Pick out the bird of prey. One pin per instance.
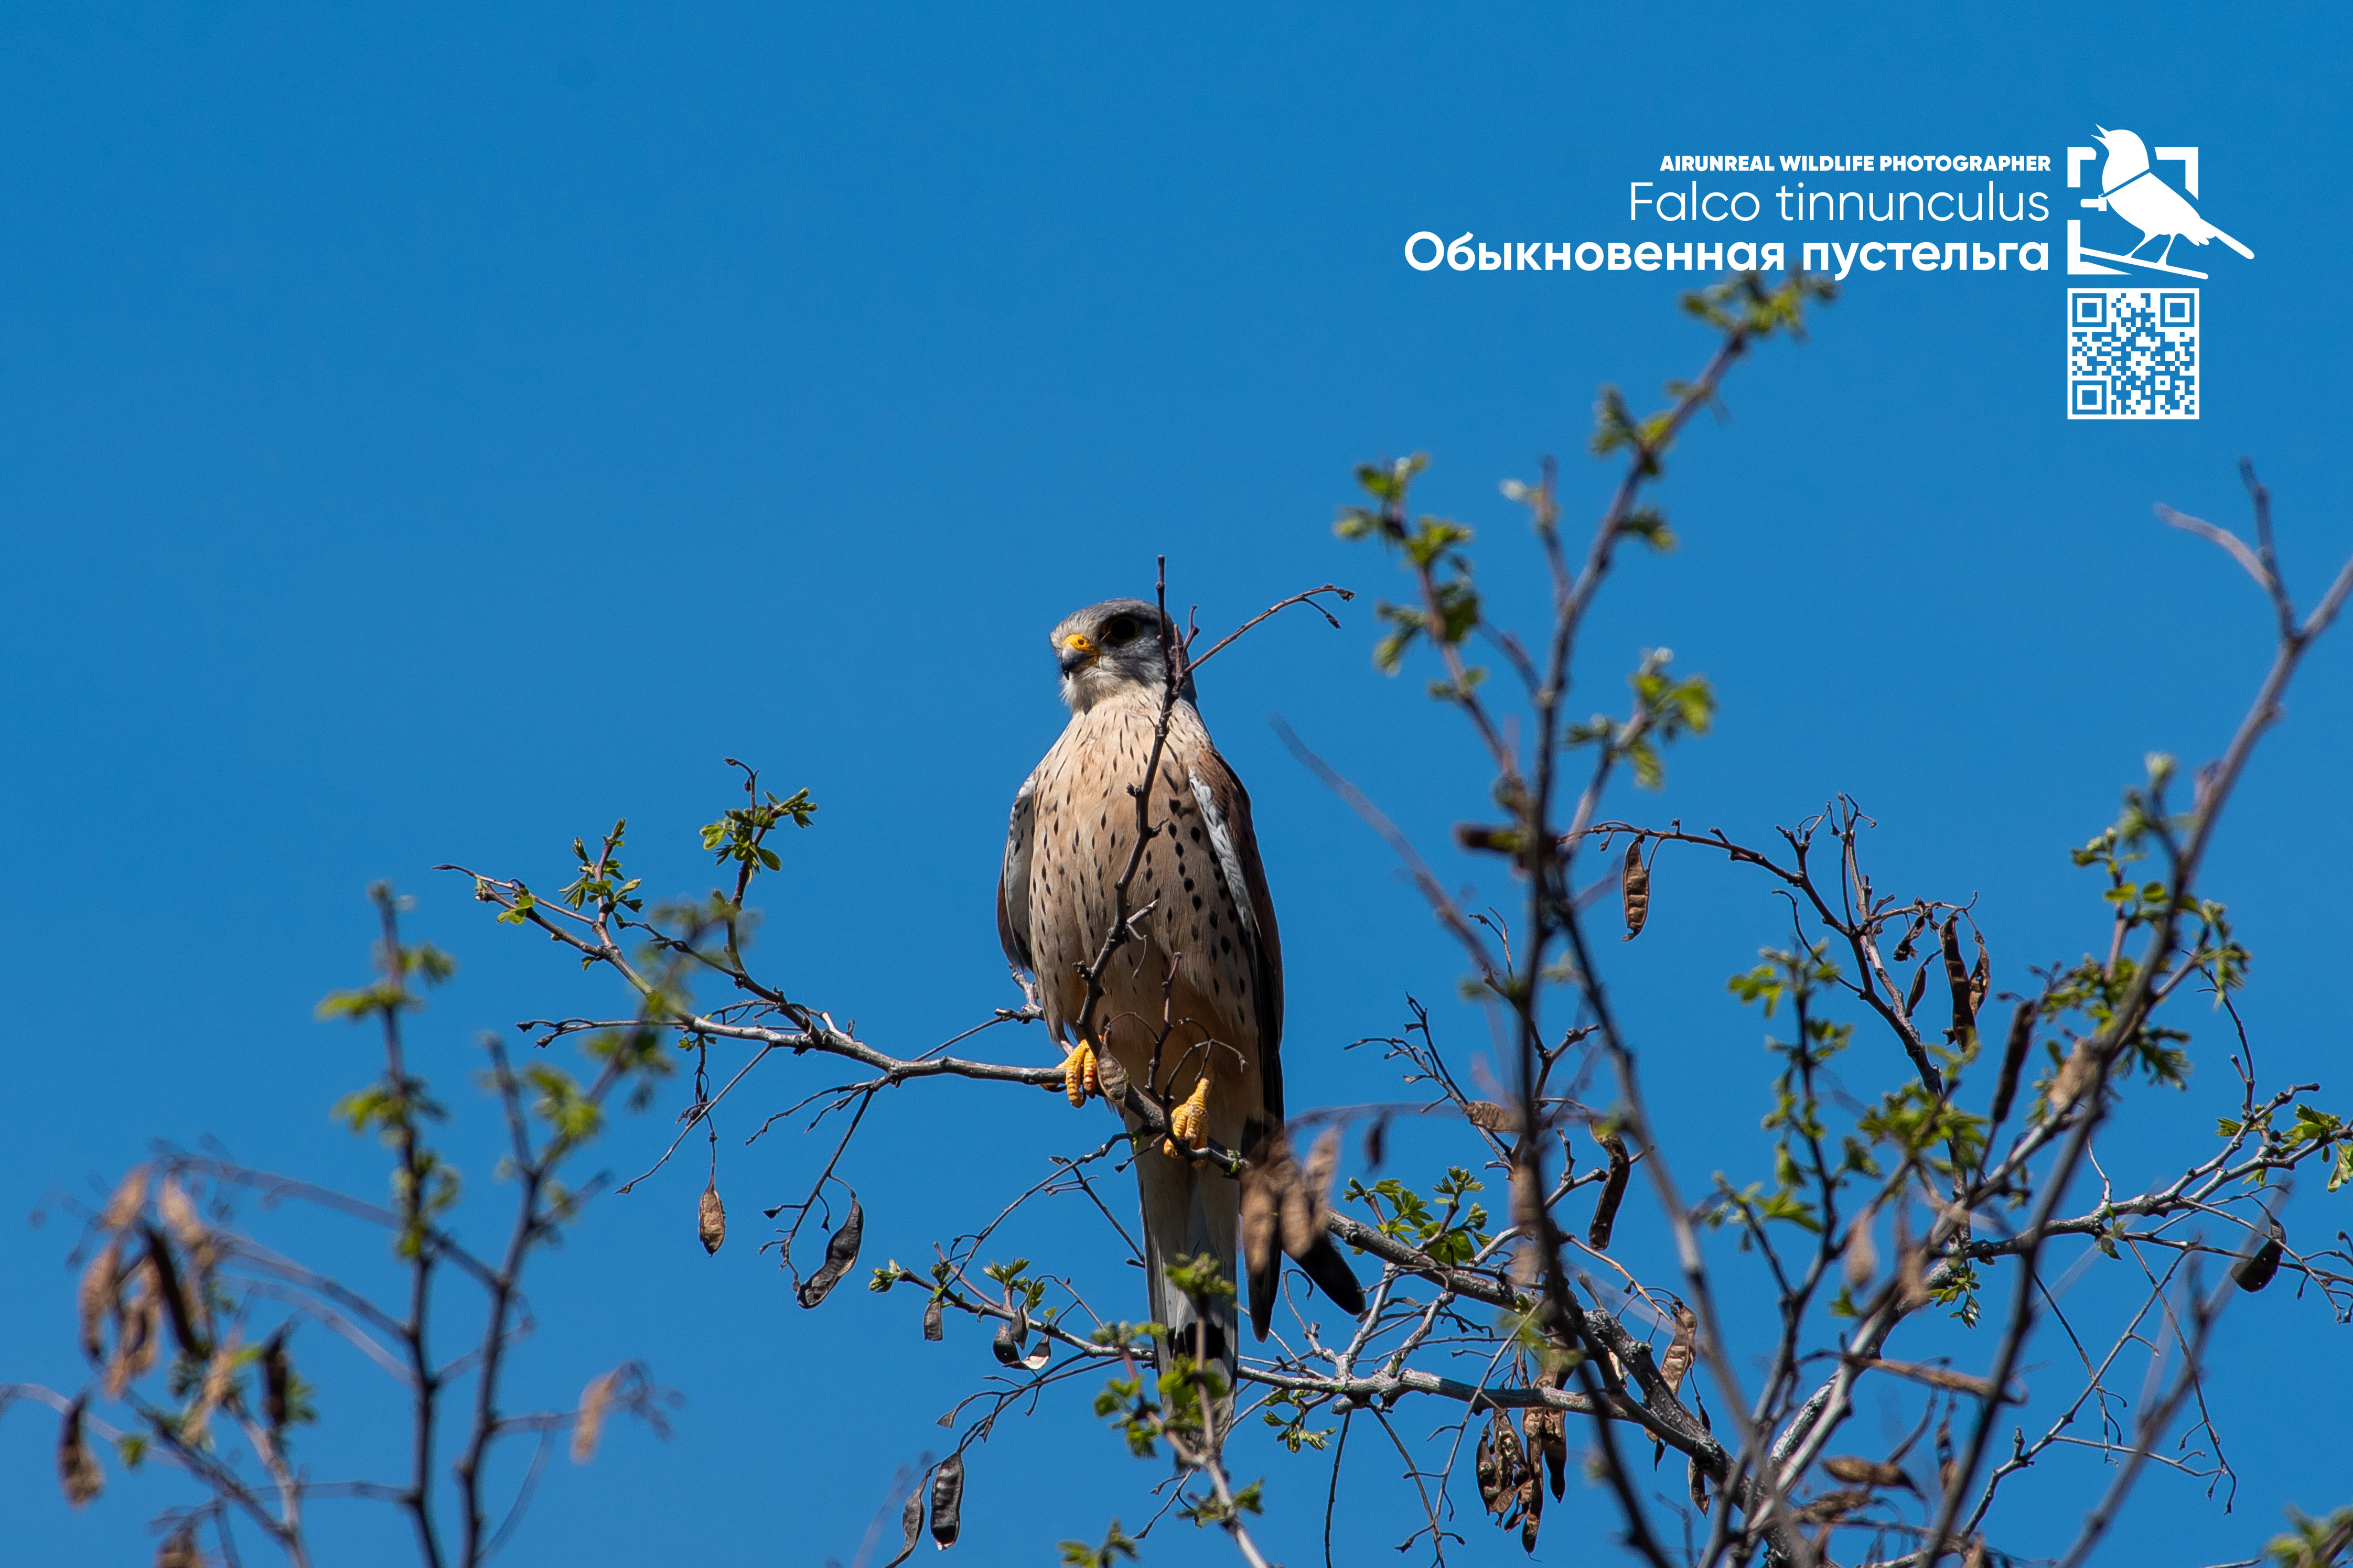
(1192, 1007)
(2131, 189)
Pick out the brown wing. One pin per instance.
(1013, 877)
(1226, 812)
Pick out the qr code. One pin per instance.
(2132, 354)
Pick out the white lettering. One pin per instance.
(1634, 204)
(1646, 257)
(1622, 255)
(1488, 259)
(1437, 251)
(1594, 265)
(1738, 262)
(1460, 256)
(1817, 257)
(1771, 257)
(2034, 256)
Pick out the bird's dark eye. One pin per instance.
(1120, 628)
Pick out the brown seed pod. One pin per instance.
(595, 1401)
(1493, 1118)
(1957, 979)
(78, 1470)
(178, 1550)
(174, 1295)
(1862, 1255)
(932, 1321)
(1697, 1478)
(1973, 1554)
(1613, 1187)
(1531, 1514)
(129, 1195)
(138, 1324)
(1544, 1431)
(1377, 1141)
(2075, 1074)
(96, 1297)
(1511, 1460)
(1919, 988)
(948, 1500)
(1981, 974)
(840, 1254)
(1489, 1472)
(1307, 1207)
(220, 1375)
(1832, 1506)
(2255, 1270)
(1677, 1362)
(1858, 1472)
(277, 1379)
(712, 1222)
(1903, 953)
(1637, 890)
(179, 1215)
(1111, 1078)
(2013, 1058)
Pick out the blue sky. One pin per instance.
(427, 438)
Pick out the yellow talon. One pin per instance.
(1080, 1074)
(1189, 1123)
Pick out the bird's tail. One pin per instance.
(1191, 1211)
(2234, 244)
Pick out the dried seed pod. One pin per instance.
(948, 1500)
(1946, 1466)
(1307, 1207)
(1377, 1141)
(840, 1254)
(77, 1470)
(1832, 1506)
(1489, 1471)
(1903, 953)
(277, 1380)
(1613, 1187)
(1531, 1514)
(1110, 1076)
(1511, 1461)
(1919, 988)
(2255, 1270)
(595, 1401)
(712, 1222)
(179, 1215)
(1973, 1554)
(96, 1297)
(1678, 1358)
(1493, 1118)
(1859, 1471)
(1011, 1334)
(932, 1321)
(2074, 1077)
(1956, 978)
(129, 1195)
(1981, 974)
(174, 1295)
(911, 1523)
(220, 1374)
(1264, 1186)
(1544, 1431)
(2013, 1058)
(1862, 1255)
(138, 1323)
(1697, 1478)
(1637, 890)
(178, 1550)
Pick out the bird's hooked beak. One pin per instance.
(1076, 653)
(2103, 137)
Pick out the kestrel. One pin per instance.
(1193, 1006)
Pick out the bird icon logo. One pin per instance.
(2131, 188)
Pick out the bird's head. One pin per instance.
(2127, 153)
(1112, 648)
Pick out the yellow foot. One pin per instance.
(1189, 1123)
(1080, 1076)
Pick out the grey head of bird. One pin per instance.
(1112, 649)
(2127, 155)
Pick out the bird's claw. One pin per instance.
(1189, 1124)
(1080, 1077)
